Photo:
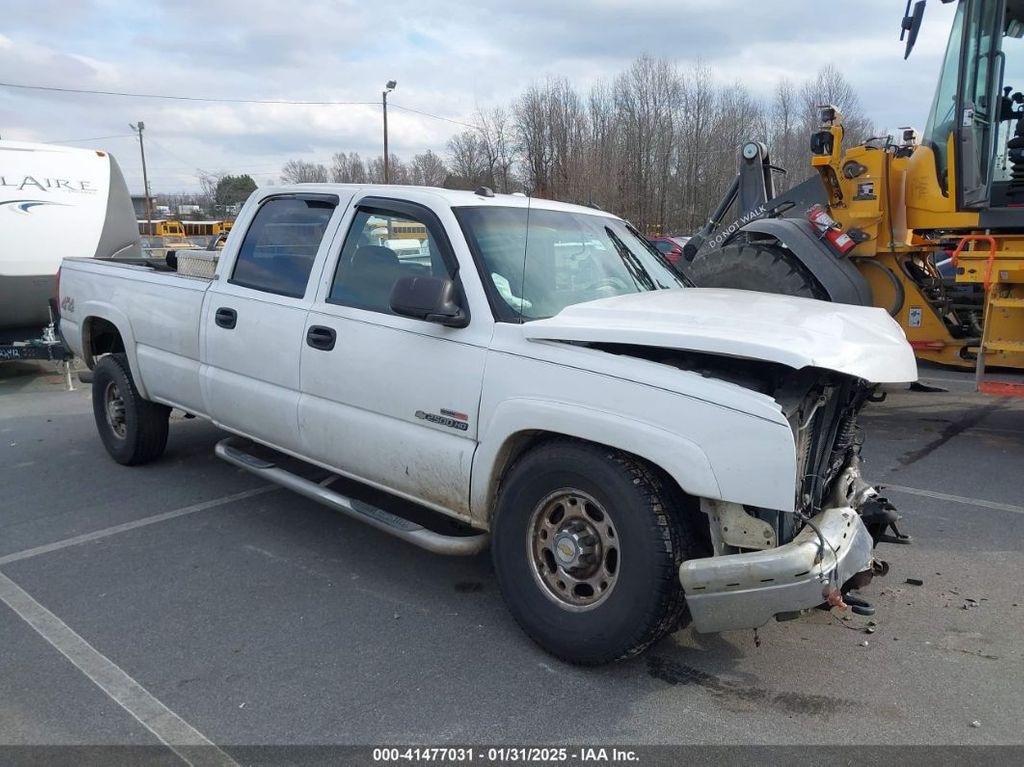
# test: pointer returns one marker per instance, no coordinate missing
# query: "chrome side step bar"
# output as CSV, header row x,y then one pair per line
x,y
385,521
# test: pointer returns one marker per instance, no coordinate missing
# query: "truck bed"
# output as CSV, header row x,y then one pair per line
x,y
165,310
150,264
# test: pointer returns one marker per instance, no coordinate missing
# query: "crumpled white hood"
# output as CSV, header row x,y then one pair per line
x,y
860,341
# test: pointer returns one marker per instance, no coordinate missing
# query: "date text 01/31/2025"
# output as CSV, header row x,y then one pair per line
x,y
503,754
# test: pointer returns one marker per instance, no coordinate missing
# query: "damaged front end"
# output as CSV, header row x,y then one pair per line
x,y
775,564
815,359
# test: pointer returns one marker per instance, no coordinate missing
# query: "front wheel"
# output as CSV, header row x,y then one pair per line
x,y
587,547
133,429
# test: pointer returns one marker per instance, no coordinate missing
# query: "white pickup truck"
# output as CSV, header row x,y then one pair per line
x,y
637,452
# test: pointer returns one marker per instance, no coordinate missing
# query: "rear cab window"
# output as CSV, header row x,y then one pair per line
x,y
281,244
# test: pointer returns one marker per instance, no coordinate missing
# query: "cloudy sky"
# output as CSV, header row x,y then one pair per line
x,y
449,57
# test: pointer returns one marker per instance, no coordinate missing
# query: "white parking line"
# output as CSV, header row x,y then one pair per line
x,y
173,731
133,525
955,498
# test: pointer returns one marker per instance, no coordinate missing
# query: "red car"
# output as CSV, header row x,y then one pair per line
x,y
670,247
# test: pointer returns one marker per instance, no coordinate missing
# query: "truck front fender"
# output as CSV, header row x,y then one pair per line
x,y
678,456
839,277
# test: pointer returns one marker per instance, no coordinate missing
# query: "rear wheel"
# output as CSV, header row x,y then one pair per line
x,y
133,429
587,547
766,267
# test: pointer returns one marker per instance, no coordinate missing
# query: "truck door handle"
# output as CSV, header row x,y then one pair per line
x,y
226,318
320,337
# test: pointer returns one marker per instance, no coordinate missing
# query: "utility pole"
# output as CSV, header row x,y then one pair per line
x,y
145,179
389,86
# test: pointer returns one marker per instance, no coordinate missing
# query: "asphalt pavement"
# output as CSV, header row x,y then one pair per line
x,y
242,614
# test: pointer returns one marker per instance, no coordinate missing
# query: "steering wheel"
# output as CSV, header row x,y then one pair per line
x,y
609,286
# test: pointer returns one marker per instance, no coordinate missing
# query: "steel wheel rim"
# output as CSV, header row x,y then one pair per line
x,y
113,407
573,548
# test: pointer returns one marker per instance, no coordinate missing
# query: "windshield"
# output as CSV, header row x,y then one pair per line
x,y
940,119
537,262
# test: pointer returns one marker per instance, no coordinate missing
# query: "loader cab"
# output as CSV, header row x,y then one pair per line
x,y
975,130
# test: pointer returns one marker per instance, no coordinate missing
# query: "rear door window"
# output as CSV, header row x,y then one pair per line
x,y
281,244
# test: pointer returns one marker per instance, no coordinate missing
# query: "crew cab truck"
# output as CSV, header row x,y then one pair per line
x,y
635,451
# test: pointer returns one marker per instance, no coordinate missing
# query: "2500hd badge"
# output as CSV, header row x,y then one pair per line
x,y
444,419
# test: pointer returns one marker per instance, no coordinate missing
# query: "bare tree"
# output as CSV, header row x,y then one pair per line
x,y
533,142
301,171
567,129
348,168
737,119
654,144
830,86
605,165
648,100
696,147
427,169
784,133
498,144
208,183
398,171
468,159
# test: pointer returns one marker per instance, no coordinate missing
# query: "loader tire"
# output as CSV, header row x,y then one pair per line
x,y
133,429
764,267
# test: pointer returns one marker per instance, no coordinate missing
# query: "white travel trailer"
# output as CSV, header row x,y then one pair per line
x,y
55,201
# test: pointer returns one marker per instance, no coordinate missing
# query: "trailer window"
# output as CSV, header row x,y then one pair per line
x,y
281,244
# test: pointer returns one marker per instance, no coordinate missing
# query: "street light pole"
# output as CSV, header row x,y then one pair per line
x,y
145,179
389,86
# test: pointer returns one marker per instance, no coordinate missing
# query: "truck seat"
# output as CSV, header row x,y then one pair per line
x,y
367,281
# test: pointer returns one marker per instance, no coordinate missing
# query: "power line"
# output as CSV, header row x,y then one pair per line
x,y
186,170
205,99
185,163
94,138
436,117
183,98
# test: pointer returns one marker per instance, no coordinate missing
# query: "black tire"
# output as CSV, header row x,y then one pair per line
x,y
133,429
644,602
765,267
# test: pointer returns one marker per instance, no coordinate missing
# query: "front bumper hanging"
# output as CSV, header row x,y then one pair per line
x,y
742,591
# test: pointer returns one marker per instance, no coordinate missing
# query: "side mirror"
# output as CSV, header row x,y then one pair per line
x,y
911,25
428,298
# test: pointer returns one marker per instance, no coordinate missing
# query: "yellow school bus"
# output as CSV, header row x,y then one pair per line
x,y
206,228
160,228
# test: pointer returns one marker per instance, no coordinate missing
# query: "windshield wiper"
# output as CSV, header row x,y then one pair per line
x,y
632,263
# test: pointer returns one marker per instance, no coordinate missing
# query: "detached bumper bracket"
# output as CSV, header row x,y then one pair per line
x,y
743,591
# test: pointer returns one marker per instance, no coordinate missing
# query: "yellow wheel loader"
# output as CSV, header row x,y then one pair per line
x,y
929,227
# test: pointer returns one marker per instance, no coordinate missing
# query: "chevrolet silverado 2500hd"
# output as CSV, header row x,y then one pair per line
x,y
637,452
